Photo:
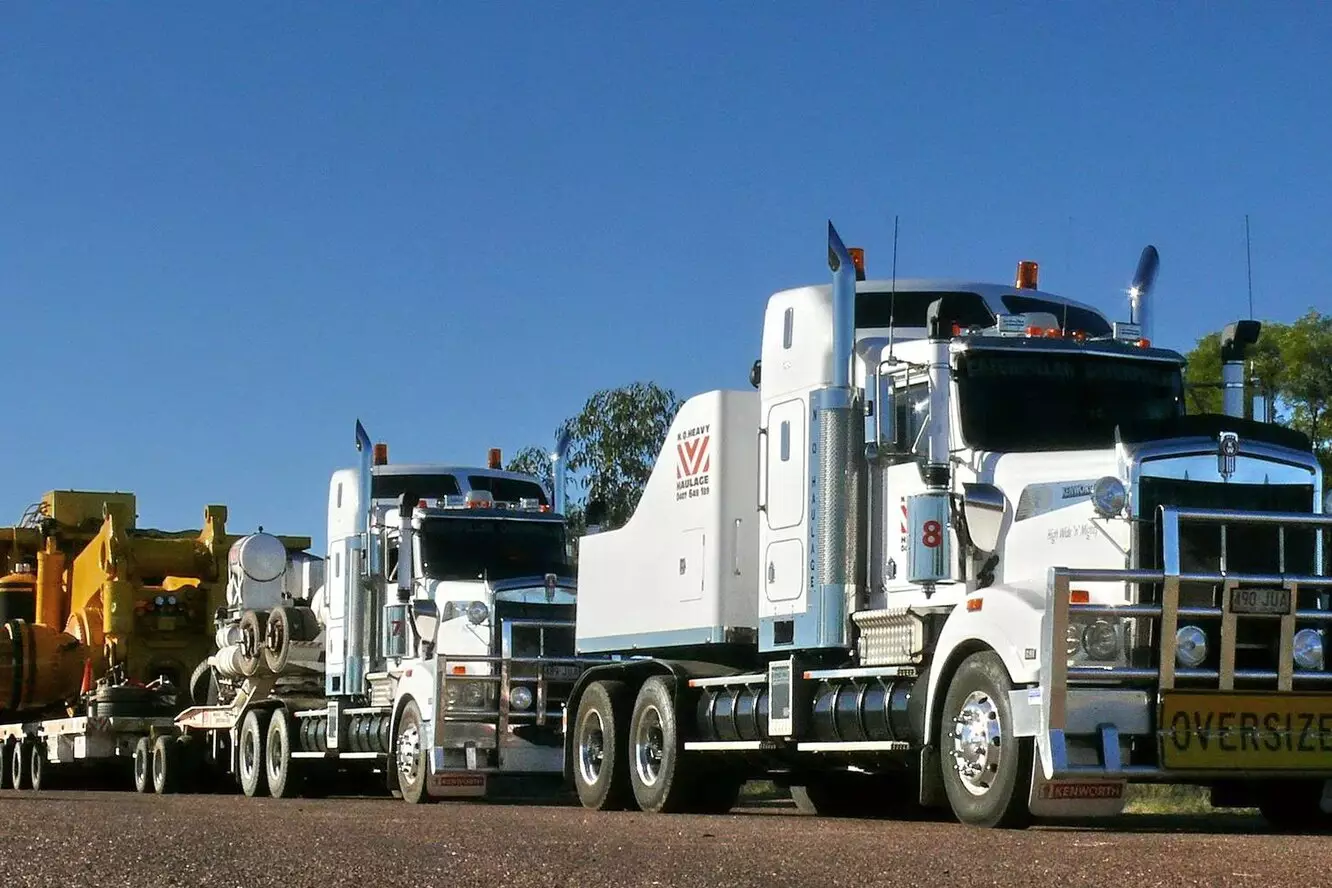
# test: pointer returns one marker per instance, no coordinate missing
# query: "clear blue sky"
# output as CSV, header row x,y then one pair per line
x,y
225,236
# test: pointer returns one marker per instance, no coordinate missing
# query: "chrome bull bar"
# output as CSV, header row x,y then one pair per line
x,y
1093,710
485,727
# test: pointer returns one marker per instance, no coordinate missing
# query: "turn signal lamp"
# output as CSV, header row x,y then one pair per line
x,y
381,454
1027,273
494,459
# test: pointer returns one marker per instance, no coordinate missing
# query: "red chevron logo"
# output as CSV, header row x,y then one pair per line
x,y
693,457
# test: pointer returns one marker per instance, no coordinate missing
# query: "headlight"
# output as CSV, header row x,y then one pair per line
x,y
474,694
1308,649
1190,646
459,692
1108,497
1101,641
520,697
477,612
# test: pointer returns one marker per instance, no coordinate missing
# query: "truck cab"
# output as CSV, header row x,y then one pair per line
x,y
981,559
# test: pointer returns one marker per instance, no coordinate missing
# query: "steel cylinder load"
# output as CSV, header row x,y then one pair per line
x,y
267,631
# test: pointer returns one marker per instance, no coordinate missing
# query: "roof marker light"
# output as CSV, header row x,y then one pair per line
x,y
858,260
494,461
381,454
1027,274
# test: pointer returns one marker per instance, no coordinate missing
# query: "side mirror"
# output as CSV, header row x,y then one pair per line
x,y
756,374
425,618
983,509
880,429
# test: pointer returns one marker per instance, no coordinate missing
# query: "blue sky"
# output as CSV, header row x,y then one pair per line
x,y
225,237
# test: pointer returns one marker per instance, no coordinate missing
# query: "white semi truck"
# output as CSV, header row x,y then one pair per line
x,y
962,549
433,646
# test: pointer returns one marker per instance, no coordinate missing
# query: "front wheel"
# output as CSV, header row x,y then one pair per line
x,y
986,768
409,756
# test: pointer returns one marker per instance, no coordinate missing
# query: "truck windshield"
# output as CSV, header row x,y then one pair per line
x,y
1035,401
495,548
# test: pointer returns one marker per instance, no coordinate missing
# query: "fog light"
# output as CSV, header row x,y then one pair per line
x,y
1100,641
1190,646
520,698
1108,497
1308,649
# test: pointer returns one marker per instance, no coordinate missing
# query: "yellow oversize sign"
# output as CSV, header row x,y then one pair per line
x,y
1237,731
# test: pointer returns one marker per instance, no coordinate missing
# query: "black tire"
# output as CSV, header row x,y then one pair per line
x,y
410,765
7,765
166,765
250,754
203,685
143,765
18,764
658,771
994,790
38,778
1294,806
281,769
601,747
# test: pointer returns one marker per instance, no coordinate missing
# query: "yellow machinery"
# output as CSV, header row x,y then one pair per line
x,y
90,596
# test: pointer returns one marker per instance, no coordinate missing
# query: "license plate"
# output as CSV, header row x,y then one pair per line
x,y
1259,601
1246,732
561,672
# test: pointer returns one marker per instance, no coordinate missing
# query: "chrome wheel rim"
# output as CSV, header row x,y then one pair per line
x,y
977,743
649,746
409,753
591,747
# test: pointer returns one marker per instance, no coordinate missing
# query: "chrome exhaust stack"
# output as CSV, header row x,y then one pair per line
x,y
1236,340
559,459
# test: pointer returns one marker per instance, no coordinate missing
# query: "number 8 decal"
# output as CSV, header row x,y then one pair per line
x,y
932,535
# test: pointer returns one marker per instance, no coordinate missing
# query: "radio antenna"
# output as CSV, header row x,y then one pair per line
x,y
1248,259
892,296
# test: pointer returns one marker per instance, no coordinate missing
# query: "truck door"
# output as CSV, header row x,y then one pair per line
x,y
786,488
903,475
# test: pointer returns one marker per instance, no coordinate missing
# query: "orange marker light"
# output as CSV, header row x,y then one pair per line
x,y
1035,331
459,670
494,460
858,260
1027,273
974,604
381,454
1144,343
1079,596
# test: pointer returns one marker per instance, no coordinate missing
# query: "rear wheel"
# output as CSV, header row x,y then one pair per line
x,y
37,776
166,764
986,768
283,779
600,747
251,753
7,765
658,771
18,764
143,765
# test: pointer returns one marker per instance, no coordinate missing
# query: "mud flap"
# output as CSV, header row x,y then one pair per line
x,y
1075,798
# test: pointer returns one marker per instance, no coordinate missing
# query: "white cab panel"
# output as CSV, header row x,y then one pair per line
x,y
683,569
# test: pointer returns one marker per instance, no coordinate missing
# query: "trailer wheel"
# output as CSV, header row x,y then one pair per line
x,y
409,756
985,767
37,766
166,764
658,772
283,778
251,753
7,765
143,765
18,764
601,747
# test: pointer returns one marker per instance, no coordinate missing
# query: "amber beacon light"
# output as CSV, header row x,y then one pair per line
x,y
1026,275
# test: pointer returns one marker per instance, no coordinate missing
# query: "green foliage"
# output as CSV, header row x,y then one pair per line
x,y
1294,361
614,443
536,462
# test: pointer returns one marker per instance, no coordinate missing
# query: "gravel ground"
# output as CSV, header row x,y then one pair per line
x,y
229,841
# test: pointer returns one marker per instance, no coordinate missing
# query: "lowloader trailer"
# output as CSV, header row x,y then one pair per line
x,y
963,550
437,652
102,624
